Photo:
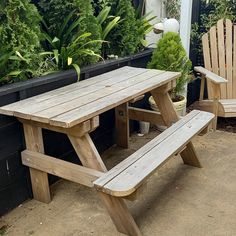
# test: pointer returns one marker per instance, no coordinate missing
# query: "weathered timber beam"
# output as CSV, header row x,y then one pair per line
x,y
77,130
63,169
145,115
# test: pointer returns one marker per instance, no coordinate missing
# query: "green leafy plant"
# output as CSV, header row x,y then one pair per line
x,y
20,35
170,55
67,49
80,20
144,27
106,21
123,38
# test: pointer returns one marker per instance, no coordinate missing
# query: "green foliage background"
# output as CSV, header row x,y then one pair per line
x,y
124,39
19,31
54,13
52,35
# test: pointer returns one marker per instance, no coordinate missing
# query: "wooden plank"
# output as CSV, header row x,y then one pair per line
x,y
63,169
115,74
207,60
229,59
234,63
214,51
145,115
46,114
145,149
39,179
130,178
139,98
77,130
229,107
75,93
206,51
99,106
210,75
122,125
116,207
207,105
221,50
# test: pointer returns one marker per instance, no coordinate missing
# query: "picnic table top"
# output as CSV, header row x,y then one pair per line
x,y
78,102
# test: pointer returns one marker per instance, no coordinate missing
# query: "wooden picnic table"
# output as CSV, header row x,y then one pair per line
x,y
74,110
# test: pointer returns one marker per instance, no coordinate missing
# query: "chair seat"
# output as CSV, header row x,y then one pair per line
x,y
227,107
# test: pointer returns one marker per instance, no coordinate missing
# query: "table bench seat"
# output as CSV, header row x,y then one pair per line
x,y
126,177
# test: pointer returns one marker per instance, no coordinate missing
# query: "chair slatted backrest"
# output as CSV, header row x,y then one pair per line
x,y
219,51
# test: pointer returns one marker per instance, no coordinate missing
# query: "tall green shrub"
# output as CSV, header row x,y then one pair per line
x,y
19,32
54,13
123,40
170,55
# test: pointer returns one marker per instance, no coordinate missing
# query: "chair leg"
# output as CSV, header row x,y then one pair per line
x,y
215,112
216,89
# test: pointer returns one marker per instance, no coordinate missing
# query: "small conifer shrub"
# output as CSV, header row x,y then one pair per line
x,y
123,40
170,55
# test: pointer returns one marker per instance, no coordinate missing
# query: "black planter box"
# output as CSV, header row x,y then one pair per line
x,y
15,184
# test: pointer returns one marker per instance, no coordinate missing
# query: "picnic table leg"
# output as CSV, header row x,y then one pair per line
x,y
122,125
39,179
116,207
170,116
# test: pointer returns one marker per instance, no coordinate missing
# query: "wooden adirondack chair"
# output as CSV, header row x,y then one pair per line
x,y
219,50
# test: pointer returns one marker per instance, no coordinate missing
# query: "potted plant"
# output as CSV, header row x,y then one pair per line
x,y
171,56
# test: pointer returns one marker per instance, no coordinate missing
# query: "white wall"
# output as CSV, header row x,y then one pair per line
x,y
155,6
185,23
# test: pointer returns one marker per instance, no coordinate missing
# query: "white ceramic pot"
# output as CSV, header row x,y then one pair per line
x,y
144,127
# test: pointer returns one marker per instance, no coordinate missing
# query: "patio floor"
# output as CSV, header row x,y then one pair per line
x,y
179,200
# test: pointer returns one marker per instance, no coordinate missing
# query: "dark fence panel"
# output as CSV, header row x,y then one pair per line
x,y
194,86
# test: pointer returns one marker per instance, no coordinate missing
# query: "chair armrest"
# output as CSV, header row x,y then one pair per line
x,y
210,75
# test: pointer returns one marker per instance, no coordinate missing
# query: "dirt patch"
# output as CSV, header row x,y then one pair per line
x,y
178,199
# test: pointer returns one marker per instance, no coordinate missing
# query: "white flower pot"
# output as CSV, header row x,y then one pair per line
x,y
144,127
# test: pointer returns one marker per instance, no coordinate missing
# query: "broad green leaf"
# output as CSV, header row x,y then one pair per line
x,y
65,23
85,35
71,28
55,39
77,68
110,26
103,14
20,56
14,73
56,56
45,53
69,61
